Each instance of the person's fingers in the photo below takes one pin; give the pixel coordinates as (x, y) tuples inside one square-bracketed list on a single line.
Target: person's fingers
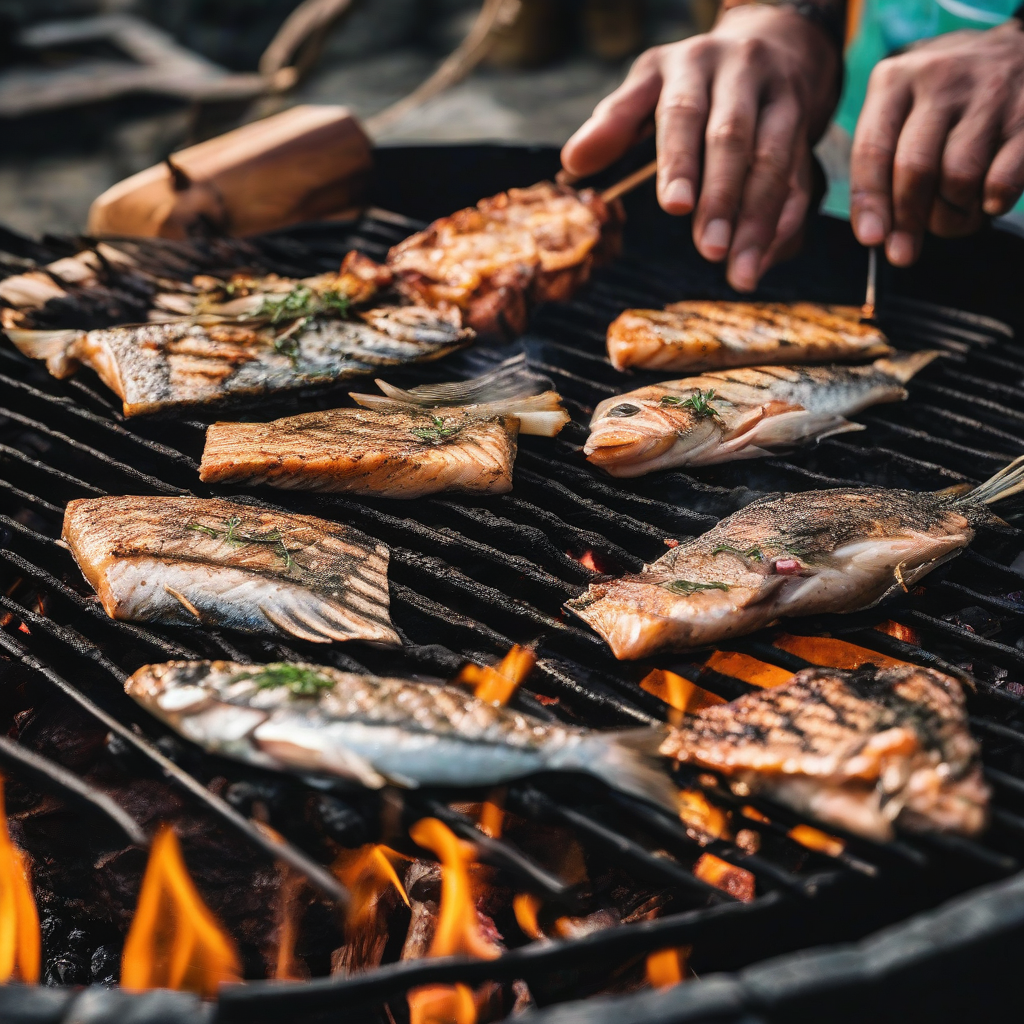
[(682, 119), (1005, 179), (618, 120), (915, 178), (794, 212), (970, 147), (728, 149), (767, 186), (874, 148)]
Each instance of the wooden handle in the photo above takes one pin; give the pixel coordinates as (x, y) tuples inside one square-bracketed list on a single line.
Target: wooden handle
[(630, 182)]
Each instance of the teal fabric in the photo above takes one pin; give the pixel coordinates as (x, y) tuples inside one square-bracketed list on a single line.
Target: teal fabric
[(887, 26)]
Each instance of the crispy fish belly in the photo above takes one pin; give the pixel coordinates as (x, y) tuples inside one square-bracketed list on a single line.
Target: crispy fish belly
[(865, 750), (713, 335), (153, 367), (196, 561), (393, 454), (308, 718), (739, 414), (494, 259), (820, 551)]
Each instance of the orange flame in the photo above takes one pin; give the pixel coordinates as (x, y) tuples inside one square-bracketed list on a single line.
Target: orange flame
[(19, 922), (497, 685), (750, 670), (823, 650), (367, 873), (175, 941), (667, 967), (722, 875), (821, 842), (492, 813), (526, 907), (677, 692), (896, 629), (697, 812)]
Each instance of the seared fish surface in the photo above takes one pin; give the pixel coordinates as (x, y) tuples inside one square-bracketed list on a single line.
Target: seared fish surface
[(393, 454), (308, 718), (820, 551), (705, 335), (195, 561), (739, 414), (865, 750)]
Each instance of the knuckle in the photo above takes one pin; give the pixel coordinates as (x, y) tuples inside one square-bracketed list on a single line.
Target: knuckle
[(676, 106), (731, 132), (914, 168), (752, 51), (887, 73), (772, 162)]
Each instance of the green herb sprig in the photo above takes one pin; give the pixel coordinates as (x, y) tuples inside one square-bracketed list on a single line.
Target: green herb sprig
[(438, 432), (699, 402), (230, 534), (303, 682), (688, 587), (754, 552), (302, 302)]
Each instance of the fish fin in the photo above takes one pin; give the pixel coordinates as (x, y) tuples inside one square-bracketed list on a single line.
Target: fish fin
[(630, 761), (1008, 482), (52, 346), (905, 365)]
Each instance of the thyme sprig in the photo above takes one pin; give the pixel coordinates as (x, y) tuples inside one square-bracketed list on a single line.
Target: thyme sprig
[(699, 402), (303, 682), (754, 552), (231, 534), (303, 302), (688, 587), (438, 432)]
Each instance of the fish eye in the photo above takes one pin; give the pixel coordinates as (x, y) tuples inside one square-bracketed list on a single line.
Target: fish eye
[(621, 411)]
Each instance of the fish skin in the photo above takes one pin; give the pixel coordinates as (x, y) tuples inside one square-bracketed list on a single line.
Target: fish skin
[(862, 750), (842, 550), (386, 730), (366, 451), (755, 410), (178, 561), (706, 335)]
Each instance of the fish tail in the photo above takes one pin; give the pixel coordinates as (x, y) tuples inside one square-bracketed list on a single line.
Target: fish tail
[(905, 365), (630, 761), (1008, 482)]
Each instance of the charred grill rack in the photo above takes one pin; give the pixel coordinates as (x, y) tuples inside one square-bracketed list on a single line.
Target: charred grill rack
[(470, 577)]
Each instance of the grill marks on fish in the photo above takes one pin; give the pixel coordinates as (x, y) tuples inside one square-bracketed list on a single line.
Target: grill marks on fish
[(705, 335), (865, 750), (820, 551), (397, 454), (310, 718), (192, 561), (739, 414)]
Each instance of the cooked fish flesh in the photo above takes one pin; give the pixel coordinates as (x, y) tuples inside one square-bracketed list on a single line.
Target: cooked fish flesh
[(312, 719), (196, 561), (867, 751), (403, 453), (739, 414), (154, 367), (708, 335), (511, 390), (820, 551), (494, 259)]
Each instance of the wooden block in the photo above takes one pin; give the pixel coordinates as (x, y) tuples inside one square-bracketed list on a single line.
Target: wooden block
[(303, 164)]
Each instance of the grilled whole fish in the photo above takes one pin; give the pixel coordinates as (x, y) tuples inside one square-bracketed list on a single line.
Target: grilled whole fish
[(192, 561), (153, 367), (397, 453), (311, 719), (707, 335), (739, 414), (819, 551), (865, 750)]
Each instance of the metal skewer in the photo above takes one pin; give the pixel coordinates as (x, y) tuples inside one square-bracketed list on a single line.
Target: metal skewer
[(867, 311)]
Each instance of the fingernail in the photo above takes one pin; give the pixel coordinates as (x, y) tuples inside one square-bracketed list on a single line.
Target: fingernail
[(870, 230), (743, 272), (900, 248), (992, 206), (715, 240), (679, 192)]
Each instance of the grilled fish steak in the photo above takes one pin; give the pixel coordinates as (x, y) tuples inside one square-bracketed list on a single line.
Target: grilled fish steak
[(312, 719), (739, 414), (705, 335), (196, 561), (820, 551), (865, 750), (394, 454), (494, 259)]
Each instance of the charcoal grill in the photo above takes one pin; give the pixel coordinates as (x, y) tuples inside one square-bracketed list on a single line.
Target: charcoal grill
[(472, 576)]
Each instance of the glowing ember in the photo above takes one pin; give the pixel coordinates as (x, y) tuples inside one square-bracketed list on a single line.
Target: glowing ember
[(19, 922), (823, 650), (175, 941), (735, 881), (367, 873), (526, 907), (588, 561), (755, 815), (492, 814), (900, 632), (702, 817), (821, 842), (667, 967), (287, 967), (498, 684), (750, 670), (679, 693)]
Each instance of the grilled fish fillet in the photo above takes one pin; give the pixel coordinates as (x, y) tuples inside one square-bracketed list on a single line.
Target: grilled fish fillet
[(392, 454), (865, 750), (820, 551), (739, 414), (307, 718), (708, 335), (191, 561)]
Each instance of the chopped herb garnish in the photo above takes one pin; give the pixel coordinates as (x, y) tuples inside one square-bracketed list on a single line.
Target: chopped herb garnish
[(230, 534), (699, 402), (302, 302), (688, 587), (303, 682), (438, 432), (754, 552)]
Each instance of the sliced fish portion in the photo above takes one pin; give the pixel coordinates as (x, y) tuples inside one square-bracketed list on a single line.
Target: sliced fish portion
[(195, 561)]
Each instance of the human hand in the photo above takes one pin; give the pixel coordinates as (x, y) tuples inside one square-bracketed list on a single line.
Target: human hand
[(736, 111), (940, 140)]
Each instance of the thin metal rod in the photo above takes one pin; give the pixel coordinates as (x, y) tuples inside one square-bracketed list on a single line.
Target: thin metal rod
[(630, 182), (868, 310)]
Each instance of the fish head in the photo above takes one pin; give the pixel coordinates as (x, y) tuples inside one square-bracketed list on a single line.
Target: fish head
[(632, 435)]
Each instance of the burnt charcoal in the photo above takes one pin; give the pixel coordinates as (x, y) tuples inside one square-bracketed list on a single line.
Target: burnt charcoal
[(105, 965), (62, 733), (253, 799), (70, 966), (338, 820), (122, 753), (975, 619)]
